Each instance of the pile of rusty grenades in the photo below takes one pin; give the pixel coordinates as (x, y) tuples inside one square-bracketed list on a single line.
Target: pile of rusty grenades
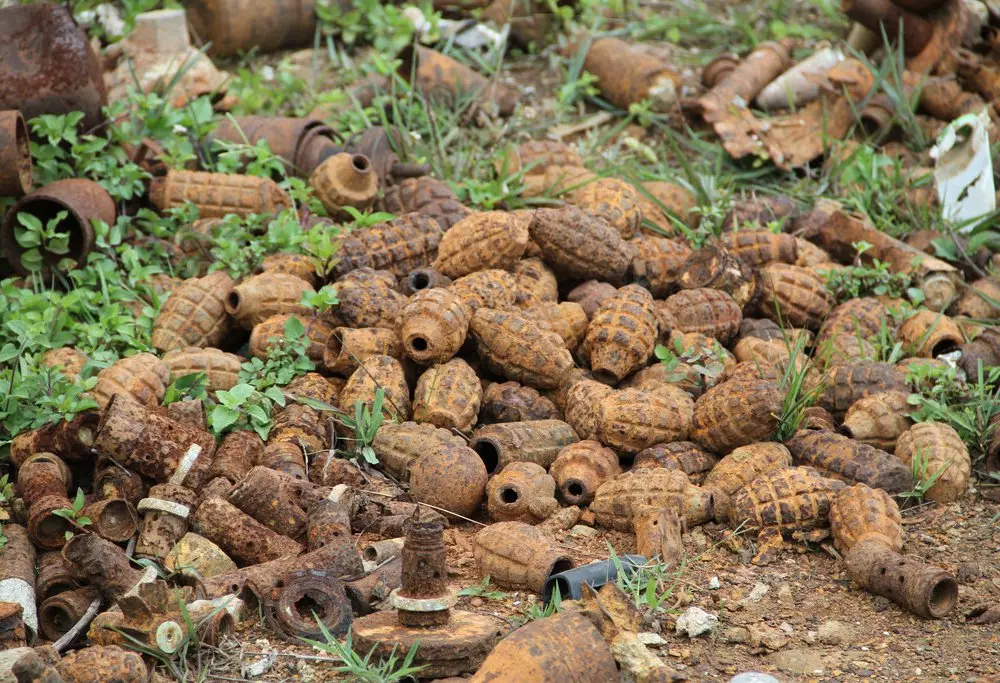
[(512, 354)]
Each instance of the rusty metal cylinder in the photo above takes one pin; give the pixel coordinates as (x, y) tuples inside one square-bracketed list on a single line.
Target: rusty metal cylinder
[(114, 481), (234, 26), (627, 74), (879, 15), (537, 441), (165, 519), (305, 596), (345, 180), (49, 65), (47, 529), (82, 200), (425, 573), (112, 518), (103, 564), (43, 474), (218, 195), (300, 142), (15, 155), (923, 589), (328, 521), (264, 495), (17, 575), (236, 455), (59, 613), (240, 535), (153, 444), (383, 551), (70, 440), (53, 575), (440, 77)]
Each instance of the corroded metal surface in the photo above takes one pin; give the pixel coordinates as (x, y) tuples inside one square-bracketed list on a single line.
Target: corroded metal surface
[(15, 155)]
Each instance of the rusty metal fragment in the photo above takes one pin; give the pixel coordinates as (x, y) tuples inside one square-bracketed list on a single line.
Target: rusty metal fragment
[(234, 26), (438, 76), (103, 565), (239, 535), (15, 155), (923, 589), (17, 576), (627, 74), (518, 555)]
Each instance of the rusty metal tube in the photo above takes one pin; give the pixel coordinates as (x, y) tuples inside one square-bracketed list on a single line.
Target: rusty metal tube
[(17, 575), (923, 589), (879, 15), (15, 155), (234, 26), (83, 201), (439, 76)]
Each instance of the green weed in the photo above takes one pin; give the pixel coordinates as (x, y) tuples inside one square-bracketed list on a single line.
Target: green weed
[(364, 669), (73, 514)]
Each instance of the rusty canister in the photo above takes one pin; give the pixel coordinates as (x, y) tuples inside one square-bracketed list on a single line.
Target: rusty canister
[(15, 155), (234, 26)]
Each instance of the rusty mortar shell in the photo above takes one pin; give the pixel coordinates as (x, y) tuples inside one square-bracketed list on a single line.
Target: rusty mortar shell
[(53, 575), (747, 78), (43, 474), (627, 74), (15, 155), (328, 522), (59, 613), (374, 588), (103, 564), (348, 347), (259, 297), (537, 441), (70, 440), (435, 323), (264, 495), (47, 529), (718, 68), (17, 575), (82, 200), (420, 279), (165, 519), (197, 557), (304, 597), (153, 444), (879, 15), (235, 26), (923, 589), (345, 180), (114, 481), (581, 468), (383, 551), (452, 477), (521, 492), (518, 555), (63, 77), (438, 76), (424, 600), (236, 454), (240, 535), (112, 519), (218, 194)]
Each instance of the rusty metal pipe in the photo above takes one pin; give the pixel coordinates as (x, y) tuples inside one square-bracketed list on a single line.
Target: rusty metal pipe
[(83, 201), (60, 612), (438, 76), (17, 575), (234, 26), (877, 15), (15, 155)]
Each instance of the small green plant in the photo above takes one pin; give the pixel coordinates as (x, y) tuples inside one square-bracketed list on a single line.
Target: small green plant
[(244, 407), (193, 386), (322, 246), (73, 513), (538, 610), (364, 669), (923, 480), (852, 282), (482, 590), (708, 363), (648, 585), (969, 413), (38, 239), (286, 359), (365, 424), (321, 301), (797, 394)]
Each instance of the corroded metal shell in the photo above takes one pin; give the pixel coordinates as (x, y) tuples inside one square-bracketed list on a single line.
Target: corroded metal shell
[(622, 334), (513, 345), (487, 239), (345, 180), (580, 246), (793, 296), (928, 334), (736, 413), (538, 441), (591, 294), (450, 477), (618, 500), (657, 263), (397, 446), (630, 420), (535, 156), (424, 278), (760, 247), (939, 448), (683, 456), (843, 348), (142, 378), (711, 312), (612, 200), (714, 267), (194, 314), (491, 288), (518, 555), (566, 319), (347, 347), (513, 402), (743, 465), (790, 500), (426, 196), (521, 492), (839, 457), (221, 368), (878, 420), (298, 265), (218, 195), (368, 298), (581, 468), (862, 318), (398, 246), (980, 299), (434, 325), (67, 359), (448, 395), (535, 283), (557, 180), (259, 297), (267, 334), (846, 384), (861, 513), (378, 372), (582, 401), (670, 197)]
